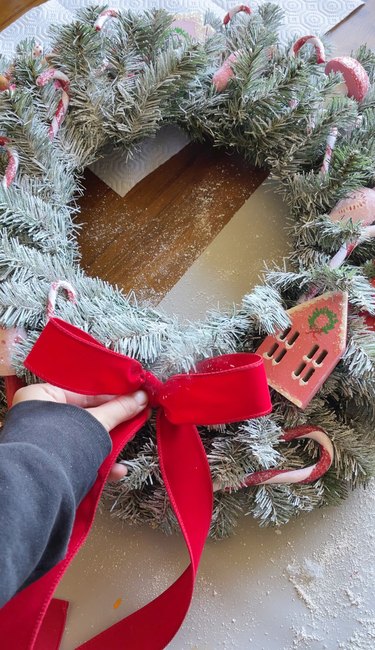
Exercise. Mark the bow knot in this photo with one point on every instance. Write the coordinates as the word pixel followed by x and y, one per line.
pixel 153 387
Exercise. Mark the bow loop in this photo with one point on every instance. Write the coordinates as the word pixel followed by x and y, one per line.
pixel 75 360
pixel 227 388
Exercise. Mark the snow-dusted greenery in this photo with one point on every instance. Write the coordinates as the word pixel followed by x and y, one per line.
pixel 126 82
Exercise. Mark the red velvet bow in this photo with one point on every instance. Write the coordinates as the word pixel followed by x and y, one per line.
pixel 228 388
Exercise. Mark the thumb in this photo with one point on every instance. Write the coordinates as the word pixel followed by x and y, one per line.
pixel 120 409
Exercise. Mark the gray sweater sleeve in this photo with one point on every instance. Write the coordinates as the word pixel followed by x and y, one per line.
pixel 49 457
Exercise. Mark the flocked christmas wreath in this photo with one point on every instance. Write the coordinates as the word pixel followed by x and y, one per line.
pixel 117 77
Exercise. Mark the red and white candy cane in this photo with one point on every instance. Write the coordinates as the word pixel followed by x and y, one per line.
pixel 305 474
pixel 235 10
pixel 52 295
pixel 103 17
pixel 13 162
pixel 313 40
pixel 61 81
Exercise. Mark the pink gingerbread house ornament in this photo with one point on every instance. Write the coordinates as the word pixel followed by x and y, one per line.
pixel 192 24
pixel 299 359
pixel 8 339
pixel 369 318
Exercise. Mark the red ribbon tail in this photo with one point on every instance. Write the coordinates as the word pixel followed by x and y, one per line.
pixel 187 479
pixel 12 384
pixel 50 634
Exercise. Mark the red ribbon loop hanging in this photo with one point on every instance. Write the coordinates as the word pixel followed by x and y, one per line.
pixel 225 389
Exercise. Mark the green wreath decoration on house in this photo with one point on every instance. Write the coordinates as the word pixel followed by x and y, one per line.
pixel 329 320
pixel 237 88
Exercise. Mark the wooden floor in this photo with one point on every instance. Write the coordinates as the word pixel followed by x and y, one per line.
pixel 148 239
pixel 10 10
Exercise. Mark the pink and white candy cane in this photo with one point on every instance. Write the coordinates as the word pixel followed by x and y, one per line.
pixel 9 338
pixel 346 249
pixel 330 145
pixel 103 17
pixel 52 295
pixel 359 207
pixel 320 58
pixel 224 73
pixel 235 10
pixel 305 474
pixel 61 81
pixel 13 162
pixel 356 85
pixel 356 79
pixel 313 40
pixel 222 76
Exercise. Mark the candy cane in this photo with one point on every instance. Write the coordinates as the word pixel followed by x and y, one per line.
pixel 330 145
pixel 357 81
pixel 235 10
pixel 347 249
pixel 339 258
pixel 61 81
pixel 224 73
pixel 13 162
pixel 303 475
pixel 357 85
pixel 103 17
pixel 52 295
pixel 320 58
pixel 313 40
pixel 360 207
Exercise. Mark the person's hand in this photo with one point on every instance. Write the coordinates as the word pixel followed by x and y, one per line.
pixel 109 410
